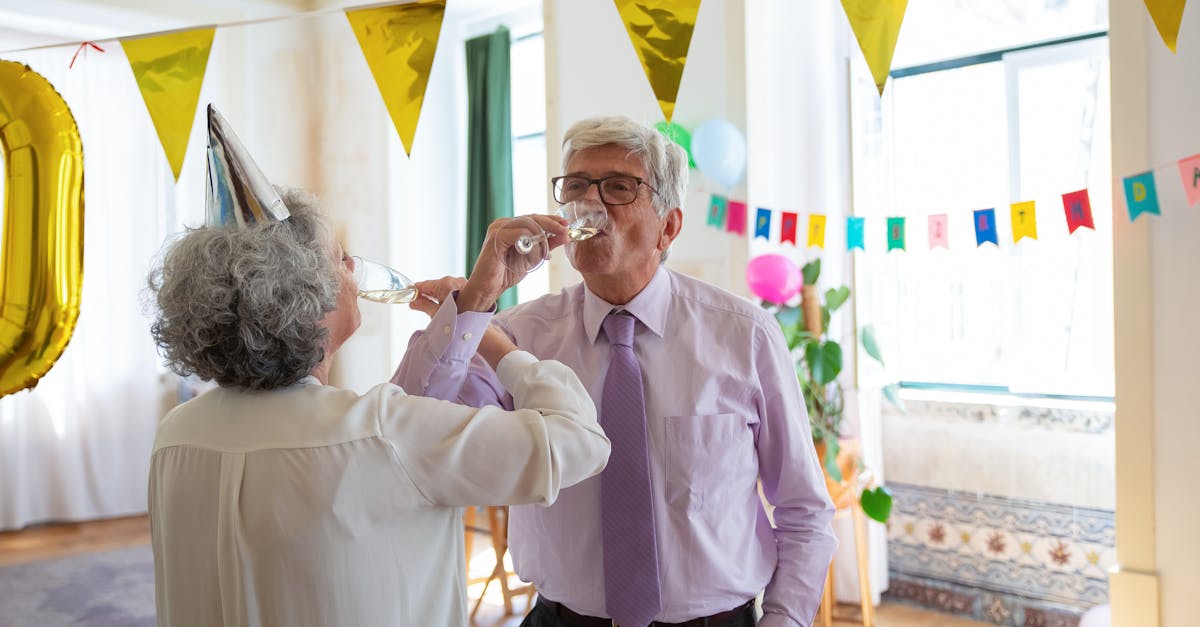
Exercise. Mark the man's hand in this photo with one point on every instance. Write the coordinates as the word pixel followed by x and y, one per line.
pixel 435 292
pixel 491 276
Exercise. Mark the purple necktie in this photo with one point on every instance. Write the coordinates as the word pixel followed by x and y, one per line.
pixel 631 589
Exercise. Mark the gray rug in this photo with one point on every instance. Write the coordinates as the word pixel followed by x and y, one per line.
pixel 110 589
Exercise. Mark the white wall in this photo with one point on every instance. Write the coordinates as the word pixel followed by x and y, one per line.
pixel 1157 295
pixel 592 69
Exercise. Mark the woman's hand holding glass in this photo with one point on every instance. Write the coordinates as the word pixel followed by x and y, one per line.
pixel 584 218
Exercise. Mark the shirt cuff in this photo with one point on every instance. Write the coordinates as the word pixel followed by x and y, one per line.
pixel 453 335
pixel 511 367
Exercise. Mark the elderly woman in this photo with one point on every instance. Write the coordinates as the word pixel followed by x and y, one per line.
pixel 277 499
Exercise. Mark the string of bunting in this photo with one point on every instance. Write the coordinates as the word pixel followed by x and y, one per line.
pixel 1140 191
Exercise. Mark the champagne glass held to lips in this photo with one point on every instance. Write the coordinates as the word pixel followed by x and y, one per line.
pixel 585 219
pixel 382 284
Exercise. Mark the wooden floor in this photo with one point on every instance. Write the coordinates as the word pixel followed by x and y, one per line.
pixel 49 541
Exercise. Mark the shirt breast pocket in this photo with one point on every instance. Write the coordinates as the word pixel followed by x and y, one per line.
pixel 707 458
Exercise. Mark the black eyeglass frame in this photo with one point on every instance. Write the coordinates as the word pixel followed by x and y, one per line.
pixel 555 190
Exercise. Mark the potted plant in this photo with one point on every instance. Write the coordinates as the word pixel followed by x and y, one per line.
pixel 818 361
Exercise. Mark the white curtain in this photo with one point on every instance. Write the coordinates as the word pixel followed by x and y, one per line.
pixel 78 445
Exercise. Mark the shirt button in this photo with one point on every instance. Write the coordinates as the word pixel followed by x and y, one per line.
pixel 446 330
pixel 466 336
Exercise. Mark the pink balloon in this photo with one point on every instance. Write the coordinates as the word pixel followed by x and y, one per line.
pixel 774 278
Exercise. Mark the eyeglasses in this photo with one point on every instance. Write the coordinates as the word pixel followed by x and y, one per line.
pixel 614 190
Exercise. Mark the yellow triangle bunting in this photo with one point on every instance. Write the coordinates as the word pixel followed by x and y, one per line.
pixel 1167 15
pixel 1024 220
pixel 876 25
pixel 661 32
pixel 398 42
pixel 169 70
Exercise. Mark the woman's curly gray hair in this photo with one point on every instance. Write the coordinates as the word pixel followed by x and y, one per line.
pixel 245 307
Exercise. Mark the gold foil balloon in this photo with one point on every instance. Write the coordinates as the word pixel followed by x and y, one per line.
pixel 41 257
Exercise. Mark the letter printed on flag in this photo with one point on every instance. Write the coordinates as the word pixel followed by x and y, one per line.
pixel 1024 220
pixel 736 220
pixel 1189 170
pixel 985 227
pixel 816 230
pixel 661 32
pixel 762 224
pixel 717 206
pixel 938 232
pixel 787 227
pixel 1141 196
pixel 169 70
pixel 895 233
pixel 1079 210
pixel 876 25
pixel 398 42
pixel 854 233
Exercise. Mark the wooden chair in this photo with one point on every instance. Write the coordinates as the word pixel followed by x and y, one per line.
pixel 497 530
pixel 845 495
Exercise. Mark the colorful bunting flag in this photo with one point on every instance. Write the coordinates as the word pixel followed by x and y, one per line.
pixel 985 227
pixel 816 231
pixel 1167 15
pixel 398 42
pixel 895 234
pixel 735 221
pixel 1079 210
pixel 787 228
pixel 661 32
pixel 169 70
pixel 876 25
pixel 854 233
pixel 1024 220
pixel 1189 170
pixel 762 224
pixel 717 206
pixel 1141 196
pixel 939 234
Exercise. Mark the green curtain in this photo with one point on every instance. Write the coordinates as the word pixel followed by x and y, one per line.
pixel 489 142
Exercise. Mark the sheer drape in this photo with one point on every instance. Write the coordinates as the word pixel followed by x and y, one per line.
pixel 78 445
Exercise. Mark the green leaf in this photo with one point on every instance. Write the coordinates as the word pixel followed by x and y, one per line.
pixel 832 448
pixel 892 393
pixel 835 298
pixel 825 318
pixel 870 344
pixel 788 316
pixel 811 271
pixel 824 360
pixel 877 503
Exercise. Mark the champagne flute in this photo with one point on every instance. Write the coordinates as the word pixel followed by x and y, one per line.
pixel 382 284
pixel 585 218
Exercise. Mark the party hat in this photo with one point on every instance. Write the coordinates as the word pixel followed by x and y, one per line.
pixel 238 192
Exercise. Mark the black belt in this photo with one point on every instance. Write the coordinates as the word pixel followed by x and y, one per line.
pixel 575 619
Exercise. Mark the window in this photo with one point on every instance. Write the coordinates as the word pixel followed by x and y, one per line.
pixel 530 181
pixel 990 103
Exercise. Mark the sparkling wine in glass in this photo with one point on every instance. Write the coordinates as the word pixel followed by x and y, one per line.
pixel 382 284
pixel 585 218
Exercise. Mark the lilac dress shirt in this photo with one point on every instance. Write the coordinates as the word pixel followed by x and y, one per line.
pixel 723 411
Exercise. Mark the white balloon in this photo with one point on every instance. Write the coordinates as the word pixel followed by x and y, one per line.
pixel 719 149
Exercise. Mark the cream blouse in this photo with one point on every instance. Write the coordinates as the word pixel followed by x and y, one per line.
pixel 312 505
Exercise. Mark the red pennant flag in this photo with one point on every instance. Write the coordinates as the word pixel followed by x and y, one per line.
pixel 787 228
pixel 1079 210
pixel 736 222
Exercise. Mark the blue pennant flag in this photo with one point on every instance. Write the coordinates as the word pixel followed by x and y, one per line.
pixel 985 227
pixel 854 233
pixel 1140 195
pixel 762 224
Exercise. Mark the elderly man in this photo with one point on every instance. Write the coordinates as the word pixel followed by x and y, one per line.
pixel 697 392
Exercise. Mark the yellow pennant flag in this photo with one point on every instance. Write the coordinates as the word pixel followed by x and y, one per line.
pixel 816 231
pixel 169 70
pixel 876 25
pixel 1024 220
pixel 661 32
pixel 1167 15
pixel 398 42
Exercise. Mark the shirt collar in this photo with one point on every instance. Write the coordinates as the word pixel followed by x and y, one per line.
pixel 650 306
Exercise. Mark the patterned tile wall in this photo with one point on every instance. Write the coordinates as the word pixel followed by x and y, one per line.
pixel 1001 560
